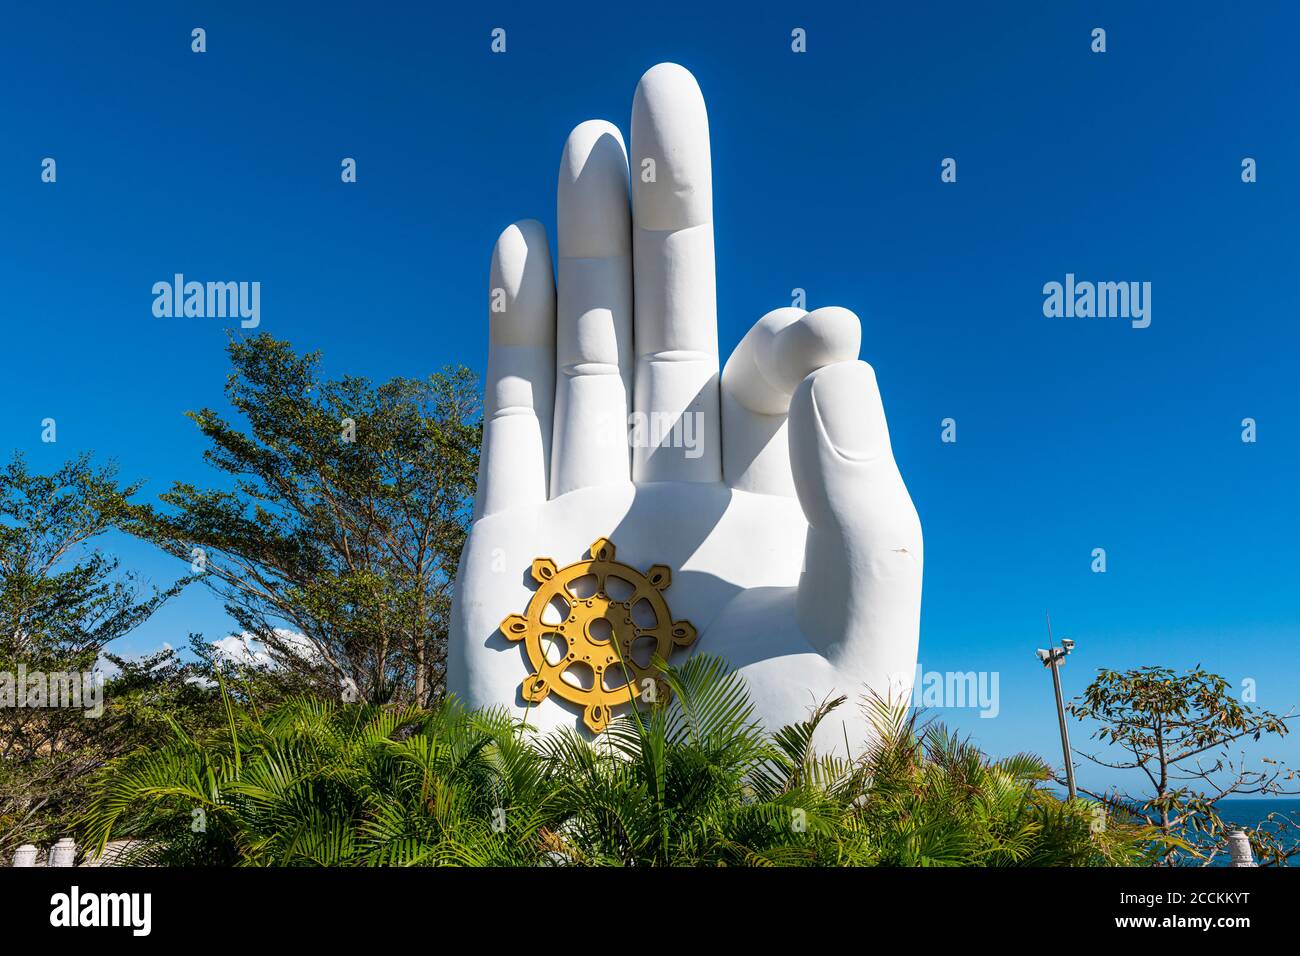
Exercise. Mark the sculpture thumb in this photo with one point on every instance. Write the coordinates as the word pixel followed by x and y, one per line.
pixel 859 600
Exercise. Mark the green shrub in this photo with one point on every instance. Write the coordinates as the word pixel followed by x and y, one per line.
pixel 691 781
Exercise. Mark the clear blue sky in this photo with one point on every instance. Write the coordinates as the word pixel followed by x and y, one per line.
pixel 1073 434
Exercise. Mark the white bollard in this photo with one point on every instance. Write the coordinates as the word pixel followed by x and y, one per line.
pixel 63 853
pixel 25 855
pixel 1239 845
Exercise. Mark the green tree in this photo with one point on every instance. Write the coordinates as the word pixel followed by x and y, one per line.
pixel 336 541
pixel 62 602
pixel 1175 731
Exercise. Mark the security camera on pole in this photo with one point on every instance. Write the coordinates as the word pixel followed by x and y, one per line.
pixel 1054 657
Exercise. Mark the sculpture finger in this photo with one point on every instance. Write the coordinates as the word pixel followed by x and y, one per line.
pixel 859 597
pixel 675 404
pixel 777 353
pixel 519 395
pixel 593 375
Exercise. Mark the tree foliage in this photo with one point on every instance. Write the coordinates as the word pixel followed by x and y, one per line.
pixel 1176 731
pixel 336 540
pixel 63 601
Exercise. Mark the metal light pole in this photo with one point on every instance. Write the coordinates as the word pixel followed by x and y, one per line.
pixel 1054 657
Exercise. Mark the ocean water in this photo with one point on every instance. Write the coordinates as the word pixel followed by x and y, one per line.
pixel 1250 813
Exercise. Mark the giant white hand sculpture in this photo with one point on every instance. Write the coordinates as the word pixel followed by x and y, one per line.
pixel 792 544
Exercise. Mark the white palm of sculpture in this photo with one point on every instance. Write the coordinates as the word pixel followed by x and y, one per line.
pixel 794 548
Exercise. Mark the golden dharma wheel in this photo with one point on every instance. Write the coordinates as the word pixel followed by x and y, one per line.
pixel 596 632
